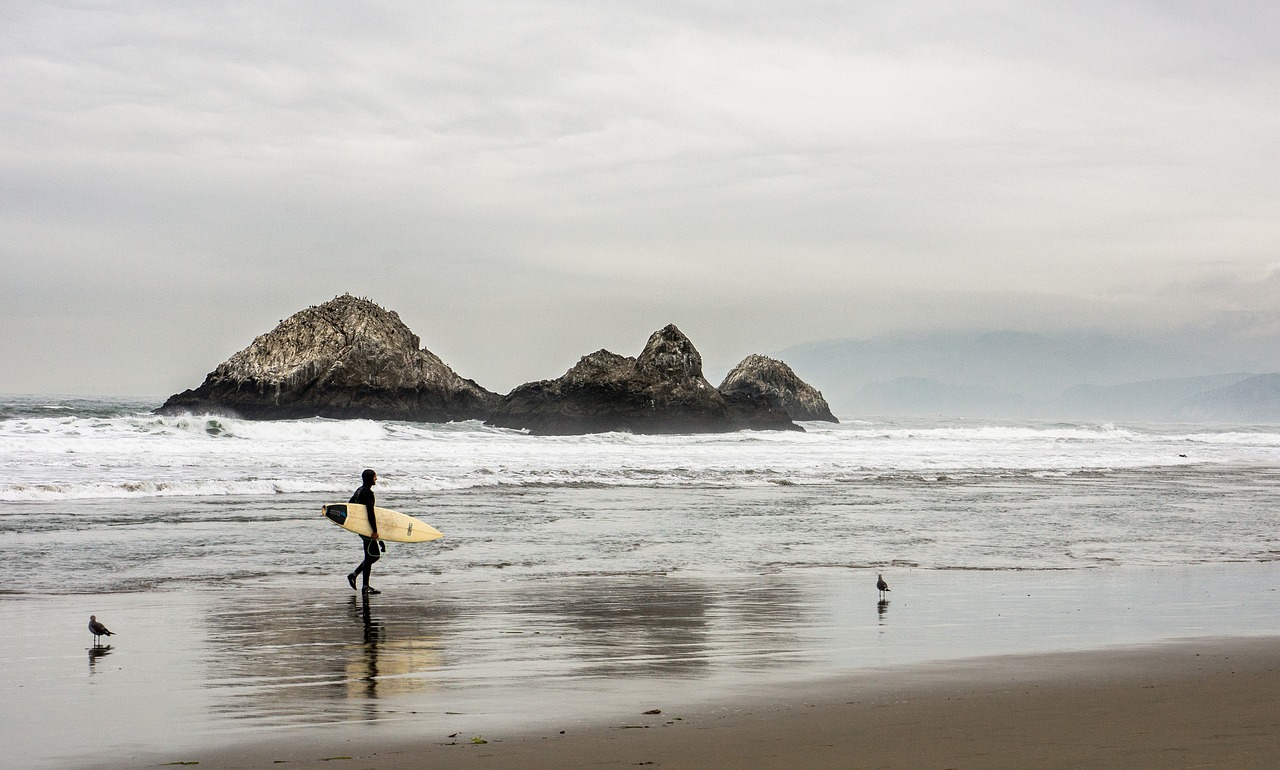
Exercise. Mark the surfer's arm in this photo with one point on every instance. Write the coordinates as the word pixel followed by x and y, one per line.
pixel 373 519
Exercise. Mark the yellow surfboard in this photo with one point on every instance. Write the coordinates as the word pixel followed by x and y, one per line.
pixel 392 525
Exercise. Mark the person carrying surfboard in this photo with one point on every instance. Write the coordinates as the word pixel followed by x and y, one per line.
pixel 373 546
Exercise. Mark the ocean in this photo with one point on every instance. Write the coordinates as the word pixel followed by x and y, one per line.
pixel 581 579
pixel 101 495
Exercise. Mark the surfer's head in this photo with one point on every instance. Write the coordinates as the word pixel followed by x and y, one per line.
pixel 369 477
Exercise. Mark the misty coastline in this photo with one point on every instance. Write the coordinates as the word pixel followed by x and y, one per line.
pixel 1070 376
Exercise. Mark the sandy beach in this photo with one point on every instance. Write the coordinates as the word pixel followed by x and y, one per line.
pixel 1126 667
pixel 1205 703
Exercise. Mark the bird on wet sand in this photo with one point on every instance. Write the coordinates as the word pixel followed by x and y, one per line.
pixel 882 586
pixel 97 629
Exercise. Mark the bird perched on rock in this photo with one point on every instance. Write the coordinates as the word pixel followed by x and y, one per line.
pixel 97 629
pixel 882 586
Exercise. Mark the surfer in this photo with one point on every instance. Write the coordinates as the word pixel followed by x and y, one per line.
pixel 373 547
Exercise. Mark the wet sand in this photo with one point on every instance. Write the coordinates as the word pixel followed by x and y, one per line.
pixel 1208 703
pixel 763 671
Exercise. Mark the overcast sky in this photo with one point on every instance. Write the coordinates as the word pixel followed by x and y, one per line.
pixel 527 182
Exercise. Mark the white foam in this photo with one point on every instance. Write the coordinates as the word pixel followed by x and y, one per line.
pixel 141 455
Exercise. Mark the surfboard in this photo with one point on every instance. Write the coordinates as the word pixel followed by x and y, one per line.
pixel 392 525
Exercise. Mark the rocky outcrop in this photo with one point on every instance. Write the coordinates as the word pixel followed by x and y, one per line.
pixel 661 391
pixel 347 358
pixel 763 378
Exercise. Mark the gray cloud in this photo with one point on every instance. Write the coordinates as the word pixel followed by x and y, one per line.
pixel 528 182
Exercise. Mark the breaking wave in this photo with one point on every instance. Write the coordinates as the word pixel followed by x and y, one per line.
pixel 84 448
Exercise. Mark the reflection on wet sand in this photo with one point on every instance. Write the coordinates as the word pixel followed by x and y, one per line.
pixel 658 628
pixel 640 629
pixel 95 652
pixel 272 659
pixel 758 625
pixel 384 667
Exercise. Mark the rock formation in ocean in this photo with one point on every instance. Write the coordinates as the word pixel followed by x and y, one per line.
pixel 661 391
pixel 347 358
pixel 761 377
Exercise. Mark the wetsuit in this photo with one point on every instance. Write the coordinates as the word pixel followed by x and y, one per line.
pixel 372 551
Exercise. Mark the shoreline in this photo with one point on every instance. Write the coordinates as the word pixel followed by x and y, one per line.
pixel 260 673
pixel 1206 702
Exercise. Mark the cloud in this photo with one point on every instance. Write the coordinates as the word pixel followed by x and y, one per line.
pixel 518 177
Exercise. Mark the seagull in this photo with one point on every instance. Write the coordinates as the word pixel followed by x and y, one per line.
pixel 97 629
pixel 883 586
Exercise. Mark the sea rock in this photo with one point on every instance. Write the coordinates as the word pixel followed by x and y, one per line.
pixel 764 378
pixel 661 391
pixel 347 358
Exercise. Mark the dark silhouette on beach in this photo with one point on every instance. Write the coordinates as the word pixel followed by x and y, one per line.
pixel 97 629
pixel 371 546
pixel 882 586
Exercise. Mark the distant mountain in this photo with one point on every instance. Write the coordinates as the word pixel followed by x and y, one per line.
pixel 1256 399
pixel 1008 373
pixel 920 396
pixel 1147 400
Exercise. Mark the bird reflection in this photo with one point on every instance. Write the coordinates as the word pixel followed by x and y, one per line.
pixel 96 652
pixel 882 607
